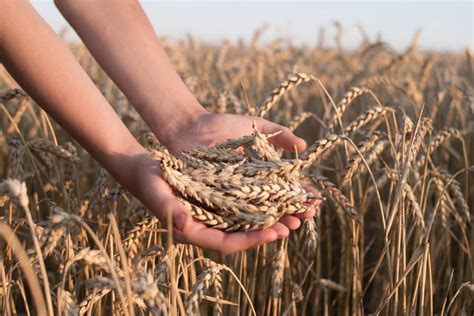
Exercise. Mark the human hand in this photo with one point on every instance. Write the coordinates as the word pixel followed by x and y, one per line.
pixel 209 129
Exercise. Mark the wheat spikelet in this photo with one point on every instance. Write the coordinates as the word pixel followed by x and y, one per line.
pixel 455 190
pixel 415 206
pixel 365 118
pixel 312 237
pixel 348 98
pixel 47 146
pixel 92 298
pixel 425 72
pixel 91 257
pixel 442 198
pixel 214 154
pixel 278 269
pixel 215 199
pixel 382 81
pixel 437 140
pixel 133 236
pixel 15 158
pixel 319 147
pixel 218 294
pixel 291 82
pixel 260 147
pixel 442 136
pixel 162 271
pixel 424 128
pixel 69 304
pixel 198 290
pixel 145 287
pixel 55 229
pixel 69 183
pixel 333 192
pixel 372 156
pixel 208 218
pixel 11 94
pixel 300 118
pixel 355 160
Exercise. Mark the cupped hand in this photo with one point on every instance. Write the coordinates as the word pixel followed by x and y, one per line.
pixel 210 129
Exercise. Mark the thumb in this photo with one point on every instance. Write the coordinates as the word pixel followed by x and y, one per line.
pixel 179 214
pixel 285 139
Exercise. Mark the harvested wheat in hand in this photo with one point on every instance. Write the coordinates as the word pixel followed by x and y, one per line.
pixel 242 184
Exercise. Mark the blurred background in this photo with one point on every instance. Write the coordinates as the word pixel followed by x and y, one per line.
pixel 446 25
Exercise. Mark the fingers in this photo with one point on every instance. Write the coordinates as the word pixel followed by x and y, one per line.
pixel 307 214
pixel 226 243
pixel 281 229
pixel 290 221
pixel 309 189
pixel 285 140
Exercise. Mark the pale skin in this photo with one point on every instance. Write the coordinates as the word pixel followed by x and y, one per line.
pixel 121 39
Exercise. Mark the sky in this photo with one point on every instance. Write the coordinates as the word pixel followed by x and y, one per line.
pixel 445 25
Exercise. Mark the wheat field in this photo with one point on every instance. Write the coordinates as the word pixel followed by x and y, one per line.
pixel 390 150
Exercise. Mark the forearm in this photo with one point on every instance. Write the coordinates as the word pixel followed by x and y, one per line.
pixel 45 68
pixel 122 40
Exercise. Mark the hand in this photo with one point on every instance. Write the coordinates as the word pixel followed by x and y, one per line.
pixel 209 129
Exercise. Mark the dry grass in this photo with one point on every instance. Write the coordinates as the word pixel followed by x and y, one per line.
pixel 393 236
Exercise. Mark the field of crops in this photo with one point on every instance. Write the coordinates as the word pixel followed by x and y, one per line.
pixel 391 144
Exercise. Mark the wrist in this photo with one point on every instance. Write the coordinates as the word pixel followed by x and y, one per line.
pixel 169 118
pixel 124 164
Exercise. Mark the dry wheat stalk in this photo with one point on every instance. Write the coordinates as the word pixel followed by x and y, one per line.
pixel 18 114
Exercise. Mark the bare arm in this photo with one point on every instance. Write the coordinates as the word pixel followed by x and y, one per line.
pixel 119 35
pixel 46 69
